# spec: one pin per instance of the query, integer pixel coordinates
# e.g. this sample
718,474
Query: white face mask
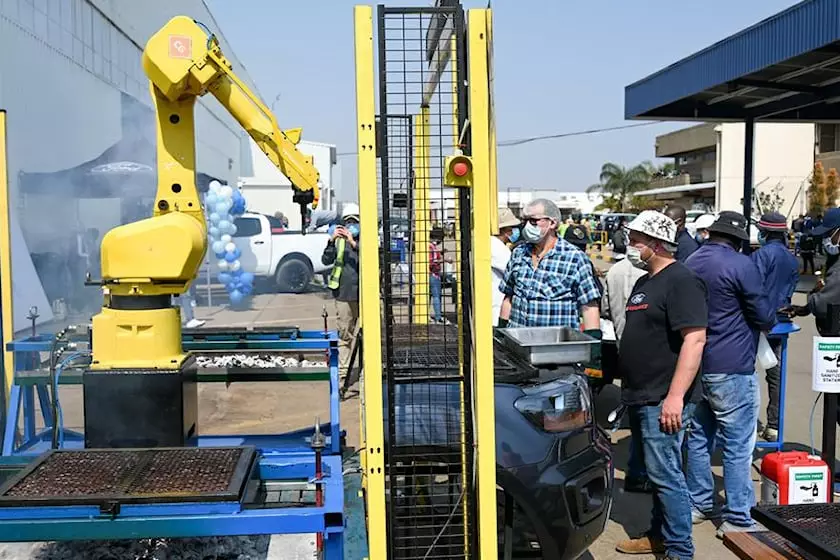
830,247
533,233
634,255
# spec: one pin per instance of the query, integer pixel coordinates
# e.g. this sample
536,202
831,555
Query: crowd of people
687,312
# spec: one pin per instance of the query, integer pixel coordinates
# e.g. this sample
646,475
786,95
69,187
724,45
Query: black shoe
638,485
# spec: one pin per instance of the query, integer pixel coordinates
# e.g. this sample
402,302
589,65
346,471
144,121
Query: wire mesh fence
425,288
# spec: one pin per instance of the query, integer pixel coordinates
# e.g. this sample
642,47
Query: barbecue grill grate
132,475
813,527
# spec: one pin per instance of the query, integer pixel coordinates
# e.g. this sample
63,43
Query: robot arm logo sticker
180,46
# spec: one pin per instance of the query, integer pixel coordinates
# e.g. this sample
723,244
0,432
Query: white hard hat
350,210
656,225
704,221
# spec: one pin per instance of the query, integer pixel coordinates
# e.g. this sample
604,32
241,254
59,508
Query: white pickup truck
286,258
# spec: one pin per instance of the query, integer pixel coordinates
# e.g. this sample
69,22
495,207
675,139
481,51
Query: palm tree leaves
620,183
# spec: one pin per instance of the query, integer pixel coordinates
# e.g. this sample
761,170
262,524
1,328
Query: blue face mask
354,230
514,235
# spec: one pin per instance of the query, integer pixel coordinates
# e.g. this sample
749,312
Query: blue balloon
230,257
237,273
211,199
246,289
236,297
220,256
214,232
215,219
224,225
246,277
218,247
224,278
237,252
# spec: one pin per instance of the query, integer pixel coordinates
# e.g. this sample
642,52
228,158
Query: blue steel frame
283,457
306,342
781,331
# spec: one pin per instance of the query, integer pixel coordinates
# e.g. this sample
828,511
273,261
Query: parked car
554,465
283,257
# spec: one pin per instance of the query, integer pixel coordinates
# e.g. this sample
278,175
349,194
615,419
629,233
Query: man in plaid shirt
548,281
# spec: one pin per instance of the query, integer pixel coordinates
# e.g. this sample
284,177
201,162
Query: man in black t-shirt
659,355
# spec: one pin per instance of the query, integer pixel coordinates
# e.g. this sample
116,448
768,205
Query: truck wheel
293,276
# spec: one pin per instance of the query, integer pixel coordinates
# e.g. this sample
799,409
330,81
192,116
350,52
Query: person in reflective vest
342,252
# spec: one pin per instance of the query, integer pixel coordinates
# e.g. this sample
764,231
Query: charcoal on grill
262,360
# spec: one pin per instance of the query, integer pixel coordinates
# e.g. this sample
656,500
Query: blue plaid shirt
552,294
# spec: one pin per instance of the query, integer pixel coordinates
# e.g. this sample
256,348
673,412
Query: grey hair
549,208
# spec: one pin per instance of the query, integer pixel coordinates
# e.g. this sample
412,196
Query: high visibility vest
335,275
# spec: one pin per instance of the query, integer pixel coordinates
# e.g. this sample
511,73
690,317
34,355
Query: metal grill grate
132,475
426,284
814,527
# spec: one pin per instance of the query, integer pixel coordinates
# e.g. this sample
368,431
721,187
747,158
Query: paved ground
266,408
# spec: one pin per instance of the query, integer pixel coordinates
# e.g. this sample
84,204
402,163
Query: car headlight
562,405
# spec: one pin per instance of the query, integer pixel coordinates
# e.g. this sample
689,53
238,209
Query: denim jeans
729,412
185,300
636,459
435,290
671,515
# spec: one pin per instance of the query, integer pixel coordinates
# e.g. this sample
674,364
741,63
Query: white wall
784,155
64,66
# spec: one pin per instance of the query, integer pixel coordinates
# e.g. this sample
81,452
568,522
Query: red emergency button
460,169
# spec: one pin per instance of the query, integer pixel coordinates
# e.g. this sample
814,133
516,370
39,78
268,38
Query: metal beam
6,301
370,310
749,153
439,61
781,86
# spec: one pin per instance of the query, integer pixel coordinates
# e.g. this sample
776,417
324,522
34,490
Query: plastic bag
765,357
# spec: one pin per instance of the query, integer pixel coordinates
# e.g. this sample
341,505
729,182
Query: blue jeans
729,412
435,289
636,459
671,515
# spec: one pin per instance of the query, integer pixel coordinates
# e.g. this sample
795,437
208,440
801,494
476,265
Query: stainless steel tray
549,345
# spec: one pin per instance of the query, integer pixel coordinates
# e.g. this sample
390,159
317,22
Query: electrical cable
811,424
58,419
529,139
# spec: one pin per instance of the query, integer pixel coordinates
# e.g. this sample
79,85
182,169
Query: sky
560,66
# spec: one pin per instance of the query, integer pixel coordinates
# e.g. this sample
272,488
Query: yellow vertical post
421,217
6,263
374,464
494,178
483,409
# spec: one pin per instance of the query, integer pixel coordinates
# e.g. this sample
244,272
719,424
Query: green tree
621,183
832,188
816,191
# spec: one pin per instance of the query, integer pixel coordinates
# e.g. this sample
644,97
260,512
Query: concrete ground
267,408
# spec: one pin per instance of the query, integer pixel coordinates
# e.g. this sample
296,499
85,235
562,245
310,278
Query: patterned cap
656,225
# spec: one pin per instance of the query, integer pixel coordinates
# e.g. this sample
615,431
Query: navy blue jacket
686,245
779,270
738,308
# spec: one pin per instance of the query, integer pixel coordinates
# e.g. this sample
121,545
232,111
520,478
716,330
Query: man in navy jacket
779,270
738,310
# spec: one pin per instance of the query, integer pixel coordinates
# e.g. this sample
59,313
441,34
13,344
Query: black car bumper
567,500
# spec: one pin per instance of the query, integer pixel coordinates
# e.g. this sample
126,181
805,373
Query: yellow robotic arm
145,263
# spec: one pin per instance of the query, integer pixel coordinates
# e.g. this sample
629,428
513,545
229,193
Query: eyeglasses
534,220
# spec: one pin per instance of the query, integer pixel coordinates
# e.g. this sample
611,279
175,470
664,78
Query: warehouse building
81,137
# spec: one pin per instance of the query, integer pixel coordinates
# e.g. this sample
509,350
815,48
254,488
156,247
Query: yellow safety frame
421,209
374,422
478,32
6,263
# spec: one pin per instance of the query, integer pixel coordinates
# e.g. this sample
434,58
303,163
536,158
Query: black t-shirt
658,309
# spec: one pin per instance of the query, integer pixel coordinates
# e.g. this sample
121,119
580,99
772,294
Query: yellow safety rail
6,263
374,423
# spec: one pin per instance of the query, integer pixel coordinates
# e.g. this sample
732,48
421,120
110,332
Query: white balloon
229,247
226,191
215,186
219,247
224,265
225,238
234,266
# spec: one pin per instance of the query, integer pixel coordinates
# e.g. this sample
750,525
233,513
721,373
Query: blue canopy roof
783,69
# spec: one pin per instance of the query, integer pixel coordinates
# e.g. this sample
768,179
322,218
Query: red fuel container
794,477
